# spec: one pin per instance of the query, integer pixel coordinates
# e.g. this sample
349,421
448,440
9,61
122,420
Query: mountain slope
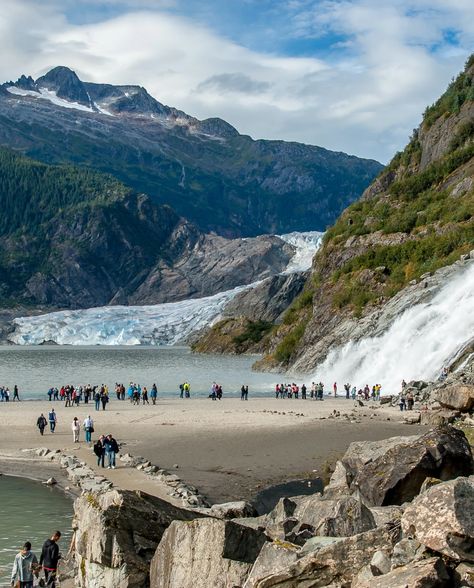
209,173
378,258
74,238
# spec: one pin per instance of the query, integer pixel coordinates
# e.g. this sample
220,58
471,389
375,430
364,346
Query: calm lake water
31,512
36,369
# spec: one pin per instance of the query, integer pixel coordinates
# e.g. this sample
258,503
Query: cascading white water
160,324
415,346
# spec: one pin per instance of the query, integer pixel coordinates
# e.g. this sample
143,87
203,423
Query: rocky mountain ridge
386,250
205,170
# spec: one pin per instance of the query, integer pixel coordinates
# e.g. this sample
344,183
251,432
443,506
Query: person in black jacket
111,448
49,559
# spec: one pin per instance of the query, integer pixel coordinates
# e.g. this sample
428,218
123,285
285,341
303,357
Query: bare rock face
442,518
342,517
116,534
428,573
392,471
457,396
333,565
272,558
205,553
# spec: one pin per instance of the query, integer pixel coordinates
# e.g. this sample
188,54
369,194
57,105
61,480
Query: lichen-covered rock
384,515
428,573
392,471
205,553
116,534
464,576
456,396
442,518
406,551
335,564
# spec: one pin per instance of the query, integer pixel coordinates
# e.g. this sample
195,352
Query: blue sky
349,75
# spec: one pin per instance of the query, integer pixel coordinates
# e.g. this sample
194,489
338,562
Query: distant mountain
383,254
74,238
210,174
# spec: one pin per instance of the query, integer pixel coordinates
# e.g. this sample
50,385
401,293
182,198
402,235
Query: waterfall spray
416,346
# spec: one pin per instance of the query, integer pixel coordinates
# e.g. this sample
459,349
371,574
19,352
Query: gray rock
456,396
204,553
342,517
392,471
272,558
380,563
442,518
464,576
233,510
316,543
406,551
333,565
435,418
386,515
338,485
51,482
42,451
429,573
116,534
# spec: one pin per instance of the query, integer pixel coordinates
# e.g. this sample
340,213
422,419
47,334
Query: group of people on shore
5,394
27,568
316,391
74,395
136,393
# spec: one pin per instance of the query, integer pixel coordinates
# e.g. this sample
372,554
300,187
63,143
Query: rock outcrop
116,535
204,553
456,396
393,471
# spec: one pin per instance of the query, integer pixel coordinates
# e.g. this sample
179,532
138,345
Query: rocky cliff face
210,174
384,252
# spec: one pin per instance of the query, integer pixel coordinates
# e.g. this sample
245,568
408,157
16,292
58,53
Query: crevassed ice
160,324
415,346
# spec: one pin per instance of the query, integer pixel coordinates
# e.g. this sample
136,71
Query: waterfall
418,343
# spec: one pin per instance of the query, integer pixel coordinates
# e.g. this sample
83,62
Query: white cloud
363,98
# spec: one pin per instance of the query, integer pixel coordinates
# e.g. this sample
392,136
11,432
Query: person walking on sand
99,450
88,428
25,567
53,419
76,427
153,393
15,394
41,423
49,559
111,449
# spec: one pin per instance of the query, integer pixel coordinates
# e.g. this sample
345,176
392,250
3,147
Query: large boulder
116,535
204,553
342,517
456,396
272,558
335,564
428,573
392,471
233,510
442,518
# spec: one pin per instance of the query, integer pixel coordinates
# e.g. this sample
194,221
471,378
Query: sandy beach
229,449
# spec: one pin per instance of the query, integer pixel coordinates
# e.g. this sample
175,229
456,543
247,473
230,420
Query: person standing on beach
153,393
242,393
88,428
334,387
76,427
53,419
246,392
41,423
97,399
15,394
111,449
49,559
99,450
25,567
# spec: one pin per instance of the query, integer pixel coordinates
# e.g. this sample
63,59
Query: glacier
416,345
161,324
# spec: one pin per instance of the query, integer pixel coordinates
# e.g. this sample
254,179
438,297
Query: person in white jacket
76,427
25,567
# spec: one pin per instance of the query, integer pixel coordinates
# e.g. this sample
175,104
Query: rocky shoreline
395,513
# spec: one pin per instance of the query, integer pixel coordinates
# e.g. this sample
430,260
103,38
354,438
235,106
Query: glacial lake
31,512
36,369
